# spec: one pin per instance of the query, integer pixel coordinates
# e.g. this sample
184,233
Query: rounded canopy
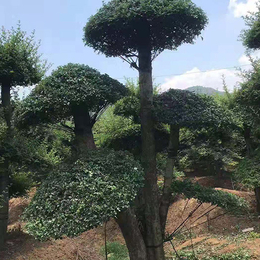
251,37
67,87
187,109
82,195
76,84
118,28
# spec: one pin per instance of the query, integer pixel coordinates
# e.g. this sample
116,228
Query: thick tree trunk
4,202
248,140
135,243
84,139
6,102
4,167
153,236
168,178
257,195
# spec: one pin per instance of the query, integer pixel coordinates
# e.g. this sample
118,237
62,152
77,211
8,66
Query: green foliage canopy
20,63
220,198
129,107
84,194
248,96
251,36
186,109
248,171
118,27
70,86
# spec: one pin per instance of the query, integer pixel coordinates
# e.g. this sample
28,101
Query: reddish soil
21,246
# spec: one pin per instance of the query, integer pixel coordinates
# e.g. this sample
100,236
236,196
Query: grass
238,255
116,251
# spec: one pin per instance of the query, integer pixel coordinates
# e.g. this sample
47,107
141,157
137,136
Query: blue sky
59,25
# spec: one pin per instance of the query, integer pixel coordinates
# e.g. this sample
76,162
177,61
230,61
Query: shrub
248,171
21,182
84,194
222,199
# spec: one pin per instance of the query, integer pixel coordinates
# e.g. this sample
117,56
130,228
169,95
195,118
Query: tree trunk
4,171
168,178
135,243
153,237
6,102
257,195
248,140
4,202
84,139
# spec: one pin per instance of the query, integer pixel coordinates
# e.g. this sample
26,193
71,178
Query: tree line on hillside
94,148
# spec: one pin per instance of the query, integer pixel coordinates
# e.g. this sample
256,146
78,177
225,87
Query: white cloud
241,8
196,77
244,59
210,78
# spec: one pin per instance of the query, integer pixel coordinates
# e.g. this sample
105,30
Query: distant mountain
205,90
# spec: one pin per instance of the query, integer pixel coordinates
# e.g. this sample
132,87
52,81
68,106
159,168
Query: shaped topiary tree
84,194
138,31
180,108
76,91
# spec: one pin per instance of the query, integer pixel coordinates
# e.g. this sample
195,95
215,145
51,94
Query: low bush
21,182
84,194
227,201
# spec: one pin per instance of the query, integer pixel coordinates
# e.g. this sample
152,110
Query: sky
59,25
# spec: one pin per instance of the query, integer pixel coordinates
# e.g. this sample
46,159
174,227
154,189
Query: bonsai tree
76,91
205,122
20,65
138,31
180,108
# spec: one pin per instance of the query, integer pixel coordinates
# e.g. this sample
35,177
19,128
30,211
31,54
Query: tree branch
170,237
132,54
98,114
168,178
156,54
67,127
130,61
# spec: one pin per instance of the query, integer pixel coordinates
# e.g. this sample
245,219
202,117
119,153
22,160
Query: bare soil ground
219,235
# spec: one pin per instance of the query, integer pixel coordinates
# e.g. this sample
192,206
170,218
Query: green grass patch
238,255
116,251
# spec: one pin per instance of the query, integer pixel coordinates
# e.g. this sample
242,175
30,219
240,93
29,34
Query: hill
205,90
